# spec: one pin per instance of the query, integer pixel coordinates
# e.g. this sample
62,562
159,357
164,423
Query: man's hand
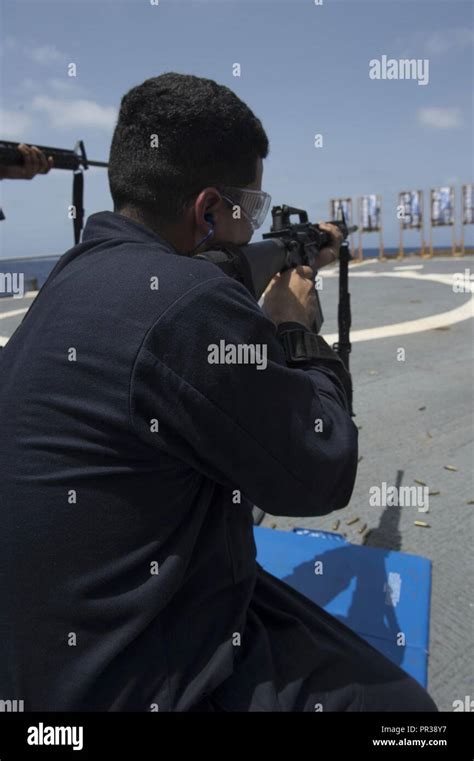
34,162
330,253
291,297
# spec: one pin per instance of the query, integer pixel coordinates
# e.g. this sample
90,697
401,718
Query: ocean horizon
36,269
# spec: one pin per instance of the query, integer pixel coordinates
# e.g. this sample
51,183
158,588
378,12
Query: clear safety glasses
253,203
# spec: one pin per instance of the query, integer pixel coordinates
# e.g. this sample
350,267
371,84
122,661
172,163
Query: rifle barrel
63,158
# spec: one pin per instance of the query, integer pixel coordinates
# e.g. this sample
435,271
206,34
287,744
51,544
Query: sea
36,269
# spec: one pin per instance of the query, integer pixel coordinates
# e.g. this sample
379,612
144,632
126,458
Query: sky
304,70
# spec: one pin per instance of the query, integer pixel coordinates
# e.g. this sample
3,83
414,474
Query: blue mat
384,596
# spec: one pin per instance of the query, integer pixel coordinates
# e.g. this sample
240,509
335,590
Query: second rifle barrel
63,158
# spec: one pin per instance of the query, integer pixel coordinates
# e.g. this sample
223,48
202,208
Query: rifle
74,160
63,158
288,245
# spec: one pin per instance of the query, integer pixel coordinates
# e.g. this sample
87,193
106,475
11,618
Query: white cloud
13,124
45,54
54,85
76,113
439,42
440,118
449,39
42,54
66,86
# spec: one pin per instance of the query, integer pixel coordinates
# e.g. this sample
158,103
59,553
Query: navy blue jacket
129,465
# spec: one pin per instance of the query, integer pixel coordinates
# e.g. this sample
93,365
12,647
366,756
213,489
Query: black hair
175,135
